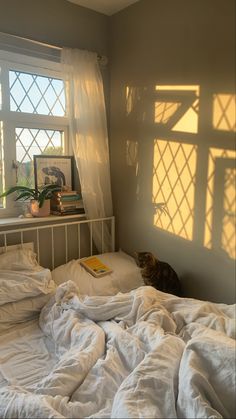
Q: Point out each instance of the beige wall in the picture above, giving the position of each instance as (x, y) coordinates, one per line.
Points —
(57, 22)
(176, 43)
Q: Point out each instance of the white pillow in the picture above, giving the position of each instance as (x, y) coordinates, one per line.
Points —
(18, 259)
(125, 276)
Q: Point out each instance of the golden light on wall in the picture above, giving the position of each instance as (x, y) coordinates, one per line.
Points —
(132, 96)
(181, 113)
(164, 111)
(179, 88)
(189, 121)
(228, 238)
(174, 168)
(132, 153)
(224, 196)
(224, 112)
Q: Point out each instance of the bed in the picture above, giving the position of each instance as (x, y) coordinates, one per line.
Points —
(75, 346)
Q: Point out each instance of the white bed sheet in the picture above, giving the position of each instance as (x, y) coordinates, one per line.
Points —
(141, 354)
(26, 355)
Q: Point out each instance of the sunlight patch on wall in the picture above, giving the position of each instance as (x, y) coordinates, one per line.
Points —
(131, 153)
(132, 95)
(189, 121)
(164, 111)
(181, 112)
(174, 168)
(228, 238)
(228, 230)
(224, 111)
(174, 87)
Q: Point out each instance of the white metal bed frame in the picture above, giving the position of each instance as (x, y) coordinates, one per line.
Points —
(52, 227)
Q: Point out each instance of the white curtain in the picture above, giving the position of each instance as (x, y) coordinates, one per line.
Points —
(88, 132)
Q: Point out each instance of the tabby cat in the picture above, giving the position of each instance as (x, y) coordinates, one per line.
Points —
(158, 274)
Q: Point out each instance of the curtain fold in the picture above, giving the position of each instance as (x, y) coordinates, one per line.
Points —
(88, 132)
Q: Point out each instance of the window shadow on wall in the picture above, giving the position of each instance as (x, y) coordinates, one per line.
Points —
(187, 143)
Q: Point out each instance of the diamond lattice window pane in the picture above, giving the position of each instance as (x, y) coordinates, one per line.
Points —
(35, 141)
(36, 94)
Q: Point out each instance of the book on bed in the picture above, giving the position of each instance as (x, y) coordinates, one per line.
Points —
(95, 266)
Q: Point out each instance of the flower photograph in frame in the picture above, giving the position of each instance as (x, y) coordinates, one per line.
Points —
(55, 170)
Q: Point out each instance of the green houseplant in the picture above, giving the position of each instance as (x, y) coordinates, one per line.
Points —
(39, 198)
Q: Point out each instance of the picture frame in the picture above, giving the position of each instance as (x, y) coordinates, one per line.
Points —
(57, 170)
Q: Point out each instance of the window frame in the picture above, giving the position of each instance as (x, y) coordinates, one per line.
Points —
(14, 119)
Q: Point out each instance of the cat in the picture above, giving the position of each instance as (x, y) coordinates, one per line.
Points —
(158, 274)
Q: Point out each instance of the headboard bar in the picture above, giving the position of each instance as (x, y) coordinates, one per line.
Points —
(38, 251)
(98, 231)
(91, 238)
(78, 244)
(52, 250)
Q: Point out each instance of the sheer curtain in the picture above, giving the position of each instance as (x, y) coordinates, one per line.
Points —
(88, 132)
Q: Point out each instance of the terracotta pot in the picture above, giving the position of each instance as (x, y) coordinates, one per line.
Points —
(44, 211)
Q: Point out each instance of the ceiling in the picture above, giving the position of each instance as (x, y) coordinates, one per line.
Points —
(108, 7)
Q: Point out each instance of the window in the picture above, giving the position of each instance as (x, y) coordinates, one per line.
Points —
(33, 119)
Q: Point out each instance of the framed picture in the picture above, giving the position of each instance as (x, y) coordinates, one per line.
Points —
(56, 170)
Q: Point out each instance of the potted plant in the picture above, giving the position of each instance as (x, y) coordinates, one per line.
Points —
(39, 198)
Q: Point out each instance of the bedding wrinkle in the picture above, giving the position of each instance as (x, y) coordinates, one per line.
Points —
(207, 371)
(16, 286)
(140, 354)
(25, 358)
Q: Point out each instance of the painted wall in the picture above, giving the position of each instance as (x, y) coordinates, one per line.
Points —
(57, 22)
(172, 139)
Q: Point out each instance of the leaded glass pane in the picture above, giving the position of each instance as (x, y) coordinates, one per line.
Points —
(31, 141)
(36, 94)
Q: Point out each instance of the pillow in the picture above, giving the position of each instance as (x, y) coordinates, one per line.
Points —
(125, 276)
(17, 285)
(19, 259)
(8, 248)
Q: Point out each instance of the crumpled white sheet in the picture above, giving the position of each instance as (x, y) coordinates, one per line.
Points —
(23, 294)
(18, 285)
(142, 354)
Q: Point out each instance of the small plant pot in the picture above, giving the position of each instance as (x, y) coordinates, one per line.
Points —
(44, 211)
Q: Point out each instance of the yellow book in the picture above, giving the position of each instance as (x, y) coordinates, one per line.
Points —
(95, 266)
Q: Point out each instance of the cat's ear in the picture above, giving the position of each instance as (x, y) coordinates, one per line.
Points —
(152, 258)
(137, 255)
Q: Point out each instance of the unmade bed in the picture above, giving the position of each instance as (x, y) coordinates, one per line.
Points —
(75, 346)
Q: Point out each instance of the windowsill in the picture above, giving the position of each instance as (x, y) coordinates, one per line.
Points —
(11, 221)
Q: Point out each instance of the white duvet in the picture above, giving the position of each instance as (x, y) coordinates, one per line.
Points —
(144, 354)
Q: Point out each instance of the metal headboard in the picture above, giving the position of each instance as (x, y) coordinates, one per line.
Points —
(100, 226)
